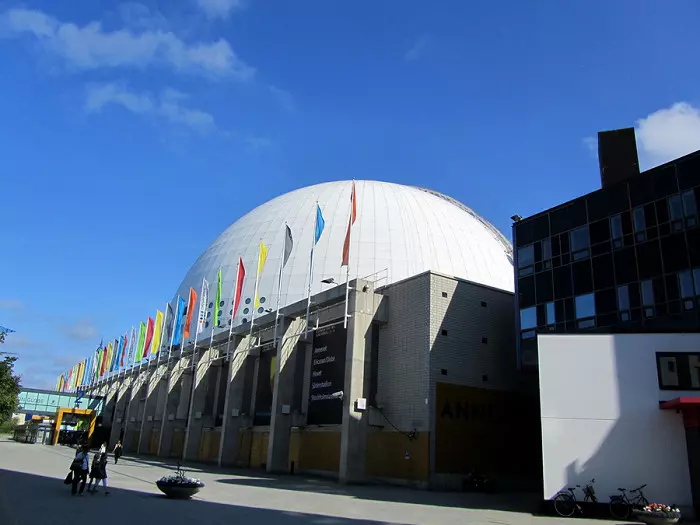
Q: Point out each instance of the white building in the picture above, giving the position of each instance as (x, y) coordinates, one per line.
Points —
(613, 408)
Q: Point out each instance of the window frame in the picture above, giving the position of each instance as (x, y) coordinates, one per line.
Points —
(685, 382)
(584, 251)
(639, 230)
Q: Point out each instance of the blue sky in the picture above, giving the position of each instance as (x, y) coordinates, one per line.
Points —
(132, 134)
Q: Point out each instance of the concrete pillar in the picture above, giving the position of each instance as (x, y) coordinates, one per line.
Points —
(353, 440)
(283, 395)
(153, 389)
(233, 410)
(204, 379)
(177, 384)
(121, 400)
(132, 425)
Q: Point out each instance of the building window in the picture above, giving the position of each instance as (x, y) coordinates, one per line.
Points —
(444, 294)
(546, 253)
(528, 322)
(550, 315)
(639, 223)
(675, 212)
(484, 340)
(616, 230)
(690, 208)
(526, 258)
(585, 310)
(678, 370)
(687, 289)
(647, 297)
(696, 280)
(444, 332)
(579, 243)
(623, 302)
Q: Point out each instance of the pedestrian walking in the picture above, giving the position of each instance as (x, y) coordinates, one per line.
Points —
(117, 451)
(98, 472)
(80, 467)
(103, 448)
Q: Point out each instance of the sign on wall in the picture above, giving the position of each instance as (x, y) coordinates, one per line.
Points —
(327, 376)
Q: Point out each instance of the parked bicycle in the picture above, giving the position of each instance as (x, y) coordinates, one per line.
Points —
(621, 506)
(565, 503)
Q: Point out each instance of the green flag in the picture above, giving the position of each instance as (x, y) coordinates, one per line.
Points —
(142, 340)
(217, 309)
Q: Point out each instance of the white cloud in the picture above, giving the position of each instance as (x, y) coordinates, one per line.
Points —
(219, 8)
(417, 50)
(11, 304)
(81, 330)
(591, 144)
(92, 47)
(167, 106)
(668, 134)
(284, 97)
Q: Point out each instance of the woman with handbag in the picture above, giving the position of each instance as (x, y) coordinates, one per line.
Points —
(98, 472)
(80, 467)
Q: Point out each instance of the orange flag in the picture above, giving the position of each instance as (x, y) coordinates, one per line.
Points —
(353, 216)
(190, 309)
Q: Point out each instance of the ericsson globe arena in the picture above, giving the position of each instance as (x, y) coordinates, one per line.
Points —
(400, 231)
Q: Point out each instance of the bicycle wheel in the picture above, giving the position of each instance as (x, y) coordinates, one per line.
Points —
(619, 509)
(564, 504)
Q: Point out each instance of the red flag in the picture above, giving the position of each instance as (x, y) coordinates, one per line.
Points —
(104, 361)
(190, 310)
(149, 337)
(126, 343)
(239, 288)
(353, 216)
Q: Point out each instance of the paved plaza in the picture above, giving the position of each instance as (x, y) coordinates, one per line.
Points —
(32, 493)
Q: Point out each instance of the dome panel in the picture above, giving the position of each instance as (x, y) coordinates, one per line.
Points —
(400, 230)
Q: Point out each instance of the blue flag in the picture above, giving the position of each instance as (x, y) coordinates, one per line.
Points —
(179, 315)
(320, 224)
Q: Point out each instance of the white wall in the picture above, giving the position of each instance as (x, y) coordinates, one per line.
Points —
(601, 417)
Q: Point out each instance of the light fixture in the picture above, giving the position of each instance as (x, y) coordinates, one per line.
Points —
(268, 310)
(516, 218)
(328, 280)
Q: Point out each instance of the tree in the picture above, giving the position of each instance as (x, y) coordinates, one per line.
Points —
(9, 386)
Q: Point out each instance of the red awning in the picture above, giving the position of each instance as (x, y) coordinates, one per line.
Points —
(680, 403)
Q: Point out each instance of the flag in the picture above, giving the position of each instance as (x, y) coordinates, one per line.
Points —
(108, 361)
(123, 340)
(262, 257)
(203, 306)
(288, 244)
(239, 289)
(353, 216)
(168, 330)
(157, 332)
(142, 340)
(149, 337)
(115, 357)
(132, 345)
(320, 224)
(190, 312)
(179, 315)
(217, 308)
(59, 383)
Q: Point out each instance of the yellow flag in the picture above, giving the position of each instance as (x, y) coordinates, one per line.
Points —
(157, 332)
(262, 257)
(109, 356)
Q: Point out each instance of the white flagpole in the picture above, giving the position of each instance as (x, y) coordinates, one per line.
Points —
(347, 267)
(279, 285)
(255, 296)
(167, 371)
(233, 307)
(311, 270)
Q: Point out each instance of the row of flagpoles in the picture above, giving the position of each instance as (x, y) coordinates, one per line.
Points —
(129, 351)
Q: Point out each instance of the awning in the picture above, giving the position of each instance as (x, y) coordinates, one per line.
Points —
(689, 406)
(680, 403)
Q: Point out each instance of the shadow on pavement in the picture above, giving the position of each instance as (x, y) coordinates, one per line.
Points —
(512, 502)
(27, 499)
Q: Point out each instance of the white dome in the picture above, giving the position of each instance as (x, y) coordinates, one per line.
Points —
(400, 231)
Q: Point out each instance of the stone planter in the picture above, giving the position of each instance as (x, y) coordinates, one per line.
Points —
(180, 490)
(653, 518)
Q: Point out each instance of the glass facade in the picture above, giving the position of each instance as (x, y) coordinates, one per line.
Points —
(46, 403)
(623, 258)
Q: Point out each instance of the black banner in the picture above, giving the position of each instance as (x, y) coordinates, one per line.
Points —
(265, 387)
(327, 376)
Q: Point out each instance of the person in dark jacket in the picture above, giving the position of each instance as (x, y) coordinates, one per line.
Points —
(80, 466)
(117, 451)
(98, 472)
